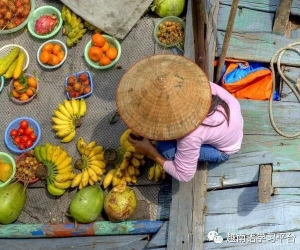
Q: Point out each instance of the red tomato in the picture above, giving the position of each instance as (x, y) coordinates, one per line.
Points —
(22, 145)
(21, 131)
(24, 138)
(33, 137)
(24, 124)
(17, 140)
(29, 143)
(28, 131)
(14, 133)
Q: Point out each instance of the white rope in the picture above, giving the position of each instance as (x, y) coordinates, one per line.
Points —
(288, 82)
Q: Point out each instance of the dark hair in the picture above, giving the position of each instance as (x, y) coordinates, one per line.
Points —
(215, 102)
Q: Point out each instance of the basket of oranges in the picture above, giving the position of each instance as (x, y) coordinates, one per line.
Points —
(102, 51)
(52, 54)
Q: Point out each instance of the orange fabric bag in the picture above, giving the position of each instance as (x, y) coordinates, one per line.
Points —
(247, 80)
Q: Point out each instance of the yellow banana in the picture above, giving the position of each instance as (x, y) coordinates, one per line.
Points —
(135, 162)
(124, 164)
(92, 174)
(75, 107)
(130, 149)
(72, 175)
(151, 172)
(81, 144)
(61, 127)
(131, 170)
(66, 162)
(87, 150)
(67, 169)
(61, 116)
(108, 178)
(63, 133)
(100, 164)
(127, 155)
(68, 106)
(63, 155)
(76, 180)
(59, 121)
(91, 144)
(85, 178)
(50, 151)
(96, 150)
(97, 170)
(63, 185)
(124, 137)
(64, 111)
(136, 171)
(82, 107)
(157, 172)
(62, 177)
(127, 176)
(138, 156)
(98, 157)
(116, 180)
(56, 153)
(69, 137)
(52, 189)
(133, 179)
(91, 183)
(119, 173)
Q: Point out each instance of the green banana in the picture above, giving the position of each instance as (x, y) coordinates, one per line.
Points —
(52, 189)
(37, 153)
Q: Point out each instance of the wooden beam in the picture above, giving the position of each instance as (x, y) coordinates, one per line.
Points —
(265, 189)
(199, 30)
(226, 38)
(282, 17)
(187, 215)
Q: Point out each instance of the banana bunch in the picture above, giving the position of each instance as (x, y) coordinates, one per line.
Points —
(66, 118)
(73, 26)
(57, 167)
(128, 167)
(156, 172)
(11, 65)
(91, 164)
(91, 27)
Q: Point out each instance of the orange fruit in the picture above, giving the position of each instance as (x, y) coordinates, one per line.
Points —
(54, 60)
(16, 83)
(44, 57)
(105, 47)
(112, 53)
(95, 53)
(56, 49)
(15, 94)
(6, 170)
(104, 60)
(48, 47)
(98, 40)
(32, 82)
(61, 55)
(24, 97)
(30, 92)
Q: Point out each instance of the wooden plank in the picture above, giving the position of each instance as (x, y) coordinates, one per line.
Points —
(238, 211)
(257, 120)
(70, 230)
(187, 212)
(189, 48)
(246, 20)
(289, 179)
(292, 73)
(265, 189)
(290, 243)
(126, 242)
(246, 45)
(161, 237)
(282, 17)
(287, 191)
(264, 5)
(211, 35)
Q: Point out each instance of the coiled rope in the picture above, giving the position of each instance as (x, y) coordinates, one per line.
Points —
(278, 55)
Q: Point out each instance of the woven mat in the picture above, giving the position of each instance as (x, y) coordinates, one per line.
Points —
(40, 206)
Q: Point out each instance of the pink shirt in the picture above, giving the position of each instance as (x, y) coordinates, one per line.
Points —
(226, 138)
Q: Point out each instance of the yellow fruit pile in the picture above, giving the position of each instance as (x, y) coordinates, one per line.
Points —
(128, 166)
(91, 164)
(67, 117)
(6, 170)
(156, 172)
(59, 168)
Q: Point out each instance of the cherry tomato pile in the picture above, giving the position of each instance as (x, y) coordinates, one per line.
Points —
(24, 136)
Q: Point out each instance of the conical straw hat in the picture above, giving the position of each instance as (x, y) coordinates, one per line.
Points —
(163, 97)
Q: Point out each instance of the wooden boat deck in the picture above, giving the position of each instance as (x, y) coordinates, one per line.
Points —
(227, 200)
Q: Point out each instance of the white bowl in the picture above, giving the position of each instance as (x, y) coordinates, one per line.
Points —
(7, 48)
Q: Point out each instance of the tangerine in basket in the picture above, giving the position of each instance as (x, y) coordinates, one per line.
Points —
(98, 40)
(104, 60)
(95, 53)
(112, 53)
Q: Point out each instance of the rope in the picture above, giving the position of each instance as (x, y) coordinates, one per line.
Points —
(288, 82)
